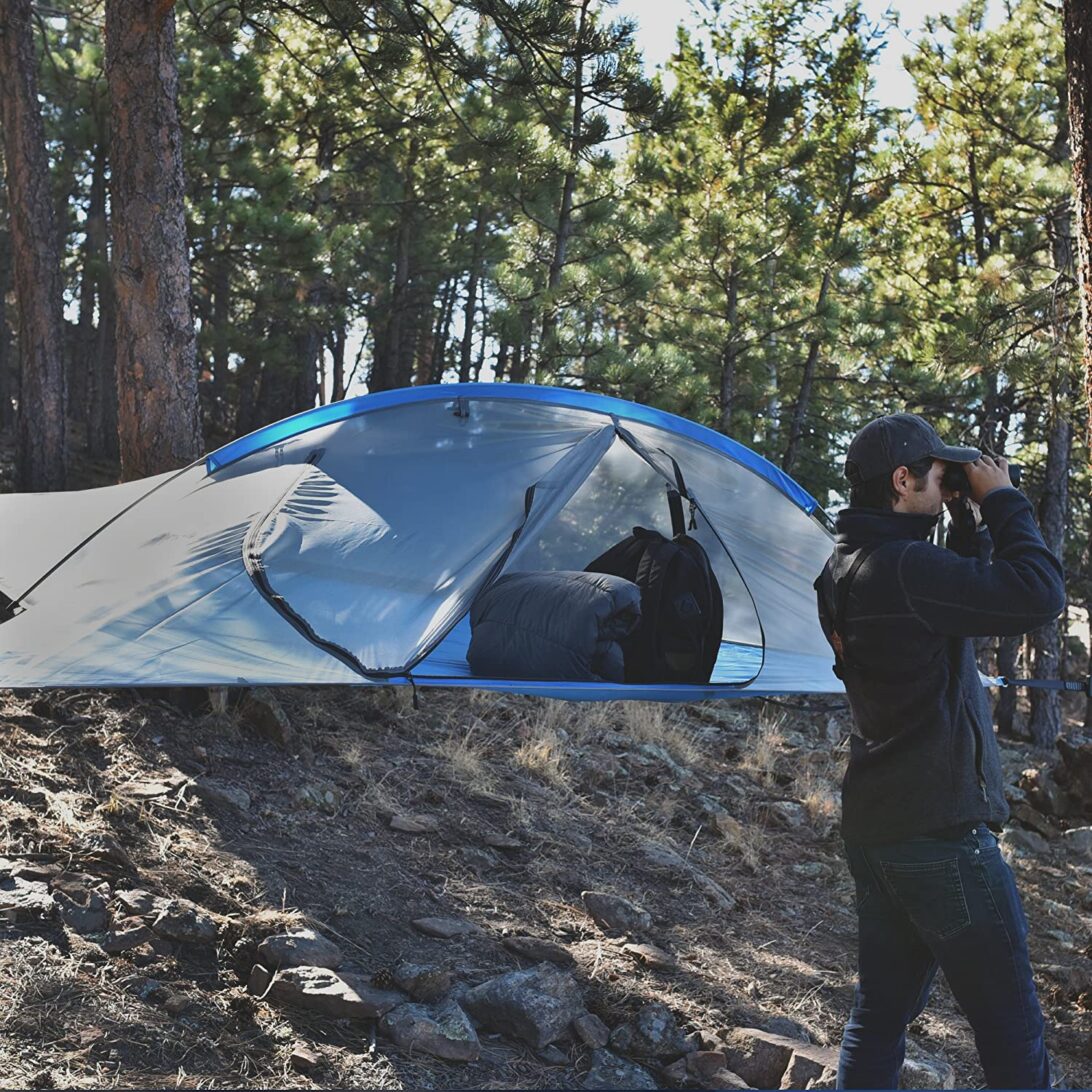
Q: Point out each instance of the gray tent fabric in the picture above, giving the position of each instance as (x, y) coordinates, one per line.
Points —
(553, 625)
(348, 544)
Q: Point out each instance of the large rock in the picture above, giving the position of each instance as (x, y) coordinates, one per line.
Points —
(182, 921)
(661, 856)
(538, 950)
(536, 1005)
(341, 995)
(1078, 842)
(653, 1034)
(709, 1068)
(422, 981)
(615, 915)
(300, 948)
(923, 1070)
(1075, 770)
(21, 899)
(446, 928)
(610, 1071)
(1016, 840)
(442, 1030)
(1043, 792)
(83, 916)
(260, 711)
(767, 1060)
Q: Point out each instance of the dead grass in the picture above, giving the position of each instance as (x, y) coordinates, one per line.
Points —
(820, 800)
(543, 755)
(465, 754)
(760, 755)
(663, 726)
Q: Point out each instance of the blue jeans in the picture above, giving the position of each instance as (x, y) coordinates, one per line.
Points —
(952, 904)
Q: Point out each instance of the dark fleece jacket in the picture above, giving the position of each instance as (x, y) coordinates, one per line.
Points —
(923, 755)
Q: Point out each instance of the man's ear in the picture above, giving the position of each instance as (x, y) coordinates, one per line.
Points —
(900, 480)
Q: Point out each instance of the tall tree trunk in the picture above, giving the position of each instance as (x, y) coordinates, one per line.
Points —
(159, 424)
(466, 349)
(7, 356)
(1077, 18)
(564, 228)
(729, 353)
(502, 362)
(443, 330)
(337, 364)
(36, 258)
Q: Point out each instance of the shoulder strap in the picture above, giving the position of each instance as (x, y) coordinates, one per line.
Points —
(836, 595)
(841, 588)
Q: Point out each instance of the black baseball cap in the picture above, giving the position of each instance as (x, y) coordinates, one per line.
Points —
(898, 440)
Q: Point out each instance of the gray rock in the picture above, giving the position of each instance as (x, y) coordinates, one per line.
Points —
(785, 813)
(538, 950)
(303, 1059)
(810, 1065)
(138, 902)
(102, 849)
(1043, 792)
(340, 995)
(591, 1031)
(652, 1034)
(710, 1069)
(443, 1031)
(22, 900)
(182, 921)
(759, 1057)
(219, 792)
(423, 982)
(552, 1055)
(1079, 842)
(260, 711)
(783, 1025)
(83, 918)
(415, 824)
(610, 1071)
(536, 1006)
(300, 948)
(661, 856)
(924, 1070)
(446, 928)
(651, 956)
(321, 796)
(1016, 840)
(615, 915)
(127, 934)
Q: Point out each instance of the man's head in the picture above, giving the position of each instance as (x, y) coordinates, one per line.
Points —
(897, 462)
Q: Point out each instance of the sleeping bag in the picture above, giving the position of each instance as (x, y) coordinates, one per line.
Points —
(553, 625)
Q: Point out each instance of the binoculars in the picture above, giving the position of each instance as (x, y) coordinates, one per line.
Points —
(955, 478)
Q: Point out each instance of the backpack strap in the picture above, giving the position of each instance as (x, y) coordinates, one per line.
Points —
(836, 594)
(674, 502)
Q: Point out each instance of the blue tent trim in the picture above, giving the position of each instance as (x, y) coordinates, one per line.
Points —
(558, 396)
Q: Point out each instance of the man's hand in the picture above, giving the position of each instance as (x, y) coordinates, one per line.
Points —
(986, 474)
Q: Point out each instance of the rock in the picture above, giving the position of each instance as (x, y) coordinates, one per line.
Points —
(552, 1055)
(923, 1070)
(182, 921)
(536, 1006)
(1079, 842)
(827, 1079)
(340, 995)
(423, 982)
(809, 1064)
(727, 826)
(218, 792)
(137, 901)
(675, 1073)
(300, 948)
(446, 928)
(651, 956)
(663, 856)
(710, 1067)
(303, 1059)
(610, 1071)
(23, 900)
(614, 914)
(785, 813)
(759, 1057)
(538, 950)
(103, 850)
(127, 934)
(85, 918)
(652, 1034)
(1061, 937)
(443, 1031)
(321, 796)
(591, 1031)
(415, 824)
(1043, 792)
(176, 1003)
(260, 711)
(1016, 840)
(502, 841)
(1075, 768)
(1034, 820)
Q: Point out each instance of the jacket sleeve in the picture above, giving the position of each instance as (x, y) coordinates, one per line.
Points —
(1022, 588)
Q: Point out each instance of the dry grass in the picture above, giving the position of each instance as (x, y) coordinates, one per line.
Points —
(663, 726)
(760, 755)
(819, 798)
(543, 755)
(465, 753)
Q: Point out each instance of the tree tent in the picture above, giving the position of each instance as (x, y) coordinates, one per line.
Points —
(346, 545)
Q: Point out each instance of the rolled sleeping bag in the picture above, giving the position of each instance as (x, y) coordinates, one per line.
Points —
(553, 625)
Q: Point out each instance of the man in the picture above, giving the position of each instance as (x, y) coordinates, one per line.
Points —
(923, 796)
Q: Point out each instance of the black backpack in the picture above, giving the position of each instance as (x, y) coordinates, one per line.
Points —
(682, 613)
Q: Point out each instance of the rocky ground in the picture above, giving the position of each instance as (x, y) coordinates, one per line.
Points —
(335, 889)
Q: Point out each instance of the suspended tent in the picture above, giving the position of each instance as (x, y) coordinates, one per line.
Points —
(348, 543)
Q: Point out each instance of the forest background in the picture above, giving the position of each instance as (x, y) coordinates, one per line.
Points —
(219, 214)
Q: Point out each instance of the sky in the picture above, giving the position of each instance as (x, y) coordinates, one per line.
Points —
(657, 20)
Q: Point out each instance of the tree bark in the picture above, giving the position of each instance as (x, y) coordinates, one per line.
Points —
(159, 423)
(466, 349)
(42, 441)
(1077, 19)
(7, 356)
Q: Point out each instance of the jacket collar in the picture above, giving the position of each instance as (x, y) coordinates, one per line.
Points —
(858, 526)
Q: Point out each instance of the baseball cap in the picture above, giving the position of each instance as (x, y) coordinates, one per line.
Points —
(898, 439)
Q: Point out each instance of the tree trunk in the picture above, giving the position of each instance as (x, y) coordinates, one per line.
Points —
(159, 423)
(337, 365)
(565, 212)
(469, 311)
(36, 258)
(7, 356)
(1077, 18)
(729, 354)
(443, 330)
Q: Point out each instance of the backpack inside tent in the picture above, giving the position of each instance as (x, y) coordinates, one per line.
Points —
(349, 544)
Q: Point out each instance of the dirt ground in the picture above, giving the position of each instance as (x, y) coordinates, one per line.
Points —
(532, 802)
